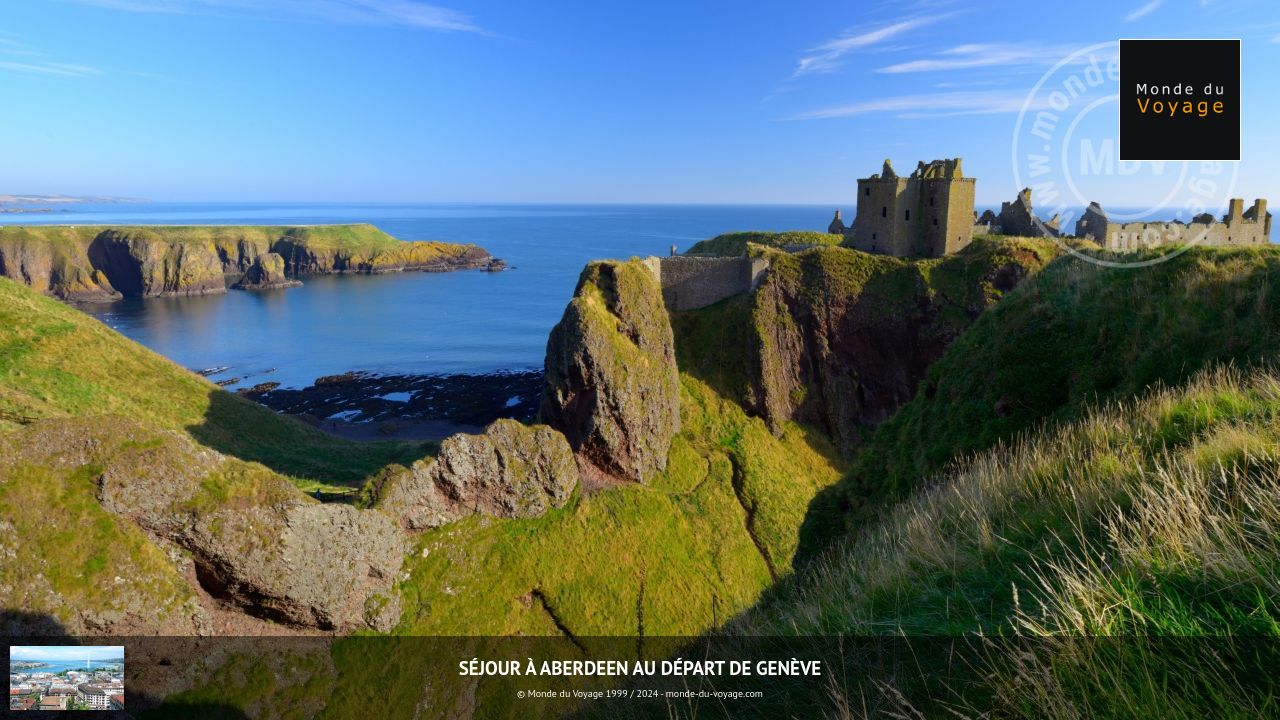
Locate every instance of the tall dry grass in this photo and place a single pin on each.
(1131, 563)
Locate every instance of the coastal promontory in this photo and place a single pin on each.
(87, 263)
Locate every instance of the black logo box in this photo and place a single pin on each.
(1179, 63)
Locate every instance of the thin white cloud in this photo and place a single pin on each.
(11, 47)
(827, 56)
(33, 62)
(49, 68)
(982, 55)
(1144, 11)
(926, 105)
(398, 13)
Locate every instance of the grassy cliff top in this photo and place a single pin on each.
(1075, 335)
(735, 243)
(1095, 457)
(57, 362)
(361, 237)
(1112, 546)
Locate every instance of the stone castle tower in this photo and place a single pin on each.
(928, 214)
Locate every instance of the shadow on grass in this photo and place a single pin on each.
(243, 429)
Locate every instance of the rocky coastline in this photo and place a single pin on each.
(367, 406)
(102, 264)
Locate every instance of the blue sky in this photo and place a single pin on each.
(398, 100)
(62, 653)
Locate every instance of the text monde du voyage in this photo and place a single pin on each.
(1180, 99)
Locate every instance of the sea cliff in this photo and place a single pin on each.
(98, 263)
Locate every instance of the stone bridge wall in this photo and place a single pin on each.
(689, 282)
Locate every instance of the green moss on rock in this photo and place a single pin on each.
(612, 386)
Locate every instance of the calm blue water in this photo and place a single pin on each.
(468, 321)
(57, 666)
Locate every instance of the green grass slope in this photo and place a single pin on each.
(681, 554)
(1077, 465)
(735, 243)
(57, 362)
(1144, 519)
(1073, 336)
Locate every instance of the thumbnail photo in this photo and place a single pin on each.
(66, 677)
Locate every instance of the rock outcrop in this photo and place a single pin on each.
(511, 471)
(302, 563)
(841, 340)
(266, 273)
(612, 386)
(90, 264)
(141, 264)
(253, 539)
(304, 255)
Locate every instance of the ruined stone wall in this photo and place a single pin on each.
(689, 283)
(1238, 227)
(1132, 236)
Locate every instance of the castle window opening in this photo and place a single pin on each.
(907, 215)
(884, 211)
(867, 192)
(935, 222)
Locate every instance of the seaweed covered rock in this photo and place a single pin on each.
(612, 386)
(511, 470)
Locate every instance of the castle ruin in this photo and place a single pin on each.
(928, 214)
(1237, 227)
(1018, 219)
(931, 214)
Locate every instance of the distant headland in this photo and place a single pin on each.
(88, 263)
(66, 200)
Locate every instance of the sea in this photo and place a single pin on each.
(404, 323)
(57, 666)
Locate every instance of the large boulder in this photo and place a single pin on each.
(511, 470)
(253, 539)
(326, 566)
(612, 386)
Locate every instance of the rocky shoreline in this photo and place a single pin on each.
(368, 406)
